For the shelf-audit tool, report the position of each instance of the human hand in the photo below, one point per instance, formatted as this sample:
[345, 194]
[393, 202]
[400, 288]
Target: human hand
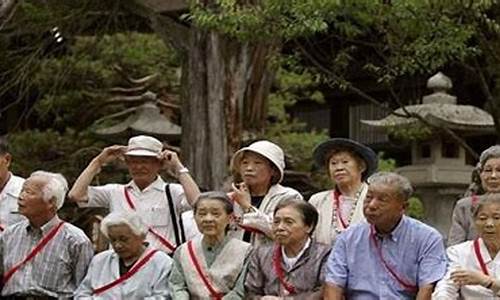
[110, 154]
[466, 277]
[241, 195]
[170, 161]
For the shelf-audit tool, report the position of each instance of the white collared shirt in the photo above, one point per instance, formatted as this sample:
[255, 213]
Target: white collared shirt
[150, 203]
[463, 256]
[150, 281]
[8, 201]
[291, 261]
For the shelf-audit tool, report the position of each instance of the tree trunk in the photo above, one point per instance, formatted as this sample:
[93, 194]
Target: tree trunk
[224, 89]
[226, 86]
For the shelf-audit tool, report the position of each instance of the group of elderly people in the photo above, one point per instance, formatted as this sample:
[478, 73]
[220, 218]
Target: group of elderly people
[260, 240]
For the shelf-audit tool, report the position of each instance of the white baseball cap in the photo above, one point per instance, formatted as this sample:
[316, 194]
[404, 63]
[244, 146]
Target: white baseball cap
[265, 148]
[143, 145]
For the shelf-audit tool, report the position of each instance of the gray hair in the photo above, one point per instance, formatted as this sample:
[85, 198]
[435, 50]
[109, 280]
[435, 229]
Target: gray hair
[493, 198]
[55, 187]
[215, 195]
[491, 152]
[131, 219]
[401, 184]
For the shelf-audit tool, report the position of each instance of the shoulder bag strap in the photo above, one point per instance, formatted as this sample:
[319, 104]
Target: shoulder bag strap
[179, 234]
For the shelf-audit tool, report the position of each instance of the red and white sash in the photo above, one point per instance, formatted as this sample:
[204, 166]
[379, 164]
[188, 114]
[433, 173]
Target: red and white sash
[244, 227]
[278, 269]
[407, 285]
[479, 257]
[135, 268]
[34, 252]
[163, 240]
[214, 294]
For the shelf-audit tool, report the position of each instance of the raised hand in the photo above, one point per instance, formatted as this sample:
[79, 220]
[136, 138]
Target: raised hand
[241, 195]
[170, 161]
[111, 153]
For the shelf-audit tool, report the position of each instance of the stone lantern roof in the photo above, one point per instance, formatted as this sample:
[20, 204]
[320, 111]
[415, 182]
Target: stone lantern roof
[145, 119]
[440, 108]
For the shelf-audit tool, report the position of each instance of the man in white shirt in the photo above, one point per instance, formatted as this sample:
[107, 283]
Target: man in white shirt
[147, 193]
[10, 187]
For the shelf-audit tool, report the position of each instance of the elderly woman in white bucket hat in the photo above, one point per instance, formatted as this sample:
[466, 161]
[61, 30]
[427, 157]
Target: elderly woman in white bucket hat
[348, 164]
[260, 166]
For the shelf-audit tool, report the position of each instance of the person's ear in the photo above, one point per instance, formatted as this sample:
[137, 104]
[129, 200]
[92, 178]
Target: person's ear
[8, 159]
[405, 205]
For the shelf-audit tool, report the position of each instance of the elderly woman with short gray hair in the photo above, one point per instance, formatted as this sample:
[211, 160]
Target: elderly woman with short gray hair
[474, 266]
[462, 225]
[132, 269]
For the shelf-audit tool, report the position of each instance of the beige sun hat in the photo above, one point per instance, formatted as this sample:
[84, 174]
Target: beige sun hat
[265, 148]
[143, 145]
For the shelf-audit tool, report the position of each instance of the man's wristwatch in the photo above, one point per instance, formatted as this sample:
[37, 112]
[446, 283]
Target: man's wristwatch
[183, 170]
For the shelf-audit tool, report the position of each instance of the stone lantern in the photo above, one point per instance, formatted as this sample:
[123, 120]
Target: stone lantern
[438, 169]
[145, 119]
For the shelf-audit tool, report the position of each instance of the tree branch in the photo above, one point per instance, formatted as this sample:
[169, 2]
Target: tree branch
[7, 10]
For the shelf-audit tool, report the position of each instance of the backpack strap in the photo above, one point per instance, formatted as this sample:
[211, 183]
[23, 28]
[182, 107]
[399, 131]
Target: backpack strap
[179, 233]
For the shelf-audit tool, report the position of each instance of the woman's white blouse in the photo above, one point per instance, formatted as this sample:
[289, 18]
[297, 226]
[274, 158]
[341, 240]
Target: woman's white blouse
[150, 282]
[463, 256]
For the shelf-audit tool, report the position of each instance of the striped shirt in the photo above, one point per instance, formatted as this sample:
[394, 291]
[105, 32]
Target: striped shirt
[56, 271]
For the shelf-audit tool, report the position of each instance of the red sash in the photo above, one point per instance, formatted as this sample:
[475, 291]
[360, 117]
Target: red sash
[408, 286]
[279, 270]
[161, 238]
[479, 257]
[244, 227]
[43, 242]
[474, 200]
[213, 292]
[137, 266]
[336, 202]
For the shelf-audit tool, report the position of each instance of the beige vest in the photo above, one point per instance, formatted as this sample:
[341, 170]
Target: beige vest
[223, 272]
[323, 202]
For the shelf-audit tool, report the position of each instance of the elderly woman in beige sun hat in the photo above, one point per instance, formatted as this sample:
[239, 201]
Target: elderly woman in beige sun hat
[348, 163]
[259, 169]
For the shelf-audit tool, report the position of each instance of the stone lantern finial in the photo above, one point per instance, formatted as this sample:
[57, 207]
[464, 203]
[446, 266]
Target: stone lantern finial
[440, 84]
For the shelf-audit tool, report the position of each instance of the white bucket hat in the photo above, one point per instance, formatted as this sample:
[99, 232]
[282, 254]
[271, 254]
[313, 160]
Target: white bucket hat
[267, 149]
[143, 145]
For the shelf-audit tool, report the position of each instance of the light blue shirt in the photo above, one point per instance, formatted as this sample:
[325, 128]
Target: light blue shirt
[414, 251]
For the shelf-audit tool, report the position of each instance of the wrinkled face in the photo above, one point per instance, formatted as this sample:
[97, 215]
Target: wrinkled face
[211, 217]
[289, 227]
[382, 206]
[490, 175]
[125, 242]
[143, 169]
[344, 168]
[256, 170]
[487, 221]
[30, 202]
[5, 160]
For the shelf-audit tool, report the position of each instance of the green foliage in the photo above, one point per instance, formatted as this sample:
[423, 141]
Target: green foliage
[266, 19]
[74, 87]
[415, 132]
[415, 208]
[71, 94]
[65, 153]
[386, 164]
[293, 85]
